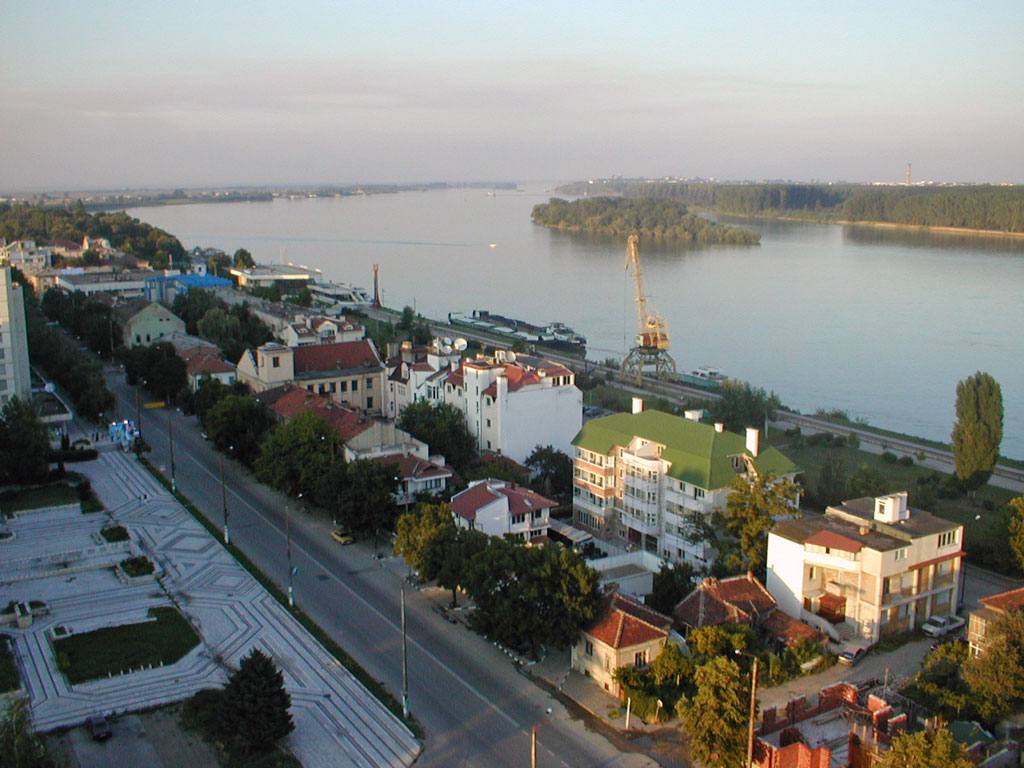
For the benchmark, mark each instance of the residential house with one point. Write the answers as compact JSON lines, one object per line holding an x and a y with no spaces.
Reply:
{"x":416,"y":373}
{"x":866,"y":567}
{"x":26,"y":255}
{"x":639,"y":478}
{"x":500,"y":508}
{"x":417,"y":476}
{"x":15,"y":377}
{"x":992,"y":607}
{"x":348,"y":372}
{"x":625,"y":633}
{"x":145,"y":322}
{"x":514,"y":402}
{"x":200,"y":365}
{"x":320,"y":330}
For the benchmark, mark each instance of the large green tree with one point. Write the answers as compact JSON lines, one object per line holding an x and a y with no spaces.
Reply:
{"x":996,"y":675}
{"x":19,"y":745}
{"x":237,"y":424}
{"x":1016,"y":509}
{"x":553,"y":469}
{"x":448,"y":557}
{"x":416,"y":529}
{"x":939,"y":685}
{"x":754,"y":503}
{"x":24,"y":444}
{"x":243,"y":259}
{"x":832,"y":479}
{"x":715,"y":717}
{"x":255,"y":704}
{"x":367,"y":503}
{"x":671,"y":584}
{"x":742,"y":405}
{"x":978,"y":429}
{"x":295,"y":453}
{"x":925,"y":749}
{"x":444,"y":429}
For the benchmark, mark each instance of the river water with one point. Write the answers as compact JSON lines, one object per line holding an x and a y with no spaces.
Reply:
{"x":879,"y":322}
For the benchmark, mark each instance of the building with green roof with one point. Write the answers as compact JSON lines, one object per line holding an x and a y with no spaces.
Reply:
{"x":639,"y":478}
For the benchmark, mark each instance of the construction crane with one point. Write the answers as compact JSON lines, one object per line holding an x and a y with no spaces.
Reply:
{"x":650,"y":353}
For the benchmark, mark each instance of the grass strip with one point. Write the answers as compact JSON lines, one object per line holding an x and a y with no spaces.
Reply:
{"x":373,"y":685}
{"x":110,"y":650}
{"x":9,"y":680}
{"x":37,"y":498}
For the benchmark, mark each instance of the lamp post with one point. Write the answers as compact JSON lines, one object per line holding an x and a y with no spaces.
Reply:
{"x":405,"y":663}
{"x":533,"y":738}
{"x":224,"y":501}
{"x":170,"y":438}
{"x":288,"y":545}
{"x":753,"y":707}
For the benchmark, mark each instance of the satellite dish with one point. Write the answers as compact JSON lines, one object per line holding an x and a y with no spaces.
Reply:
{"x":447,"y":341}
{"x":510,"y":356}
{"x":460,"y":344}
{"x":446,"y":349}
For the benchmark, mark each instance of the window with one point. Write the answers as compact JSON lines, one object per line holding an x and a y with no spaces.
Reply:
{"x":369,"y":383}
{"x":698,"y":493}
{"x":355,"y":385}
{"x":518,"y":519}
{"x":488,"y":422}
{"x":947,"y":538}
{"x":343,"y":386}
{"x":810,"y":573}
{"x":588,"y":648}
{"x":369,"y":402}
{"x":275,"y":362}
{"x":332,"y":387}
{"x":640,"y":660}
{"x":901,"y":554}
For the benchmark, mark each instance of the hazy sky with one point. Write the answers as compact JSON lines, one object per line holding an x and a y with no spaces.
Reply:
{"x":118,"y":93}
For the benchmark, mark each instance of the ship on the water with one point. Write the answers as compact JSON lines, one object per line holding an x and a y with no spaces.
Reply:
{"x":554,"y":335}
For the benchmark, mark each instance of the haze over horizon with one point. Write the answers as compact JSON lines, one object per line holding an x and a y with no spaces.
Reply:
{"x":207,"y":94}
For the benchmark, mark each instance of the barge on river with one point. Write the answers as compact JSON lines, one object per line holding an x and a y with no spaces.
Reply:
{"x":554,"y":335}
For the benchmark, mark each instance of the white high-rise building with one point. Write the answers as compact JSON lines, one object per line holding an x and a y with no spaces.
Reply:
{"x":14,"y":372}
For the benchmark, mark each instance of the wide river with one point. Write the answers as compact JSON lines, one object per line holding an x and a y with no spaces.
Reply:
{"x":879,"y":322}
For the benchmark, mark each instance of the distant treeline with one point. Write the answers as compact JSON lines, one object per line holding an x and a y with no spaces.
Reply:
{"x":972,"y":207}
{"x":23,"y":221}
{"x":648,"y":217}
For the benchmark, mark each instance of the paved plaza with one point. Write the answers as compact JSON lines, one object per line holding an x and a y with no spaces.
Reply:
{"x":57,"y":557}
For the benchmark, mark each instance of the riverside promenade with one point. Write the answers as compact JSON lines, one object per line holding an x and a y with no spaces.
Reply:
{"x":337,"y":721}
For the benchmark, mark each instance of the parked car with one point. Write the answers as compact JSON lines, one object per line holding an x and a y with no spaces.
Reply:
{"x":938,"y":626}
{"x":98,"y":727}
{"x":342,"y":536}
{"x":852,"y":655}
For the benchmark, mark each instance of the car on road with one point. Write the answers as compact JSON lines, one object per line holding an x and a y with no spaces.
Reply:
{"x":342,"y":536}
{"x":852,"y":655}
{"x":939,"y":626}
{"x":98,"y":727}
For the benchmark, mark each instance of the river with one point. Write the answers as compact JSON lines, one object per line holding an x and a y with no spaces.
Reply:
{"x":881,"y":323}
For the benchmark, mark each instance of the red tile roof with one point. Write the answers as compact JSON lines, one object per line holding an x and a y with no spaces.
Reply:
{"x":413,"y":467}
{"x":788,"y":629}
{"x":345,"y":422}
{"x":834,"y":540}
{"x":623,"y":623}
{"x":736,"y":600}
{"x":466,"y":503}
{"x":520,"y":500}
{"x":198,"y":364}
{"x":342,"y":355}
{"x":1011,"y":600}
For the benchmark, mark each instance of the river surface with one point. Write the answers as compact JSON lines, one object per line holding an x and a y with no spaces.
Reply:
{"x":881,"y":323}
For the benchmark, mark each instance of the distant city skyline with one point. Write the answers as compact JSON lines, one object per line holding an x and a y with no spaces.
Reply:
{"x":194,"y":94}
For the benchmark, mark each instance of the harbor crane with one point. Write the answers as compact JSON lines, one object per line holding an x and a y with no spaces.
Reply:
{"x":650,"y":353}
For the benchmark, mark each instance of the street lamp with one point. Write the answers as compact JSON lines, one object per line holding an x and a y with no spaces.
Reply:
{"x":224,"y":501}
{"x":170,"y":438}
{"x":288,"y":545}
{"x":405,"y":663}
{"x":753,"y":707}
{"x":533,"y":738}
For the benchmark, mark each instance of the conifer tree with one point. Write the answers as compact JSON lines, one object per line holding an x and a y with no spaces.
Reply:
{"x":255,"y":705}
{"x":978,"y":430}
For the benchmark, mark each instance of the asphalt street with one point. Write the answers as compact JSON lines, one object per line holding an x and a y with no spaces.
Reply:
{"x":476,"y":709}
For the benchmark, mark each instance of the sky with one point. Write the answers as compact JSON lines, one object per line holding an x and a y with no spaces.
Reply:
{"x":114,"y":93}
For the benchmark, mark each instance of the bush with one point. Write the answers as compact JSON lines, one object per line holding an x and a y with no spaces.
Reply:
{"x":889,"y":457}
{"x":853,"y":440}
{"x":906,"y":461}
{"x":137,"y":566}
{"x":74,"y":454}
{"x":115,"y":533}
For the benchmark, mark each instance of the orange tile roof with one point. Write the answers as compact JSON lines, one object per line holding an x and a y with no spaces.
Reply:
{"x":345,"y":422}
{"x":735,"y":600}
{"x":1011,"y":600}
{"x":338,"y":356}
{"x":624,"y":623}
{"x":834,"y":540}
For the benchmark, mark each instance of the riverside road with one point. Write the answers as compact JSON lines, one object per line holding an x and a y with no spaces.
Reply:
{"x":475,"y":708}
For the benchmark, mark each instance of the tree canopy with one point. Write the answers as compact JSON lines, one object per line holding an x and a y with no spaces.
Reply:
{"x":444,"y":429}
{"x":367,"y":501}
{"x":648,"y":217}
{"x":751,"y":509}
{"x":671,"y":584}
{"x":237,"y":424}
{"x":715,"y":718}
{"x":925,"y":749}
{"x":996,"y":675}
{"x":416,"y":529}
{"x":254,"y":711}
{"x":978,"y":429}
{"x":743,"y":405}
{"x":24,"y":444}
{"x":295,"y":453}
{"x":1016,"y":507}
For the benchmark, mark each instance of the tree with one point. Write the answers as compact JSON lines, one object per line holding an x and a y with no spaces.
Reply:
{"x":444,"y":429}
{"x":751,"y":509}
{"x":295,"y":453}
{"x":416,"y":529}
{"x":996,"y":675}
{"x":255,"y":704}
{"x":867,"y":481}
{"x":671,"y":584}
{"x":742,"y":405}
{"x":553,"y":469}
{"x":367,"y":503}
{"x":832,"y":480}
{"x":716,"y":716}
{"x":243,"y":259}
{"x":978,"y":429}
{"x":19,"y":745}
{"x":218,"y":263}
{"x":237,"y":424}
{"x":939,"y":685}
{"x":24,"y":444}
{"x":448,"y":555}
{"x":1016,"y":508}
{"x":925,"y":749}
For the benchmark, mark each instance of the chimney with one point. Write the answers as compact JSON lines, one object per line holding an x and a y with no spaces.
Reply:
{"x":753,"y":441}
{"x":638,"y":404}
{"x":695,"y":414}
{"x":719,"y":426}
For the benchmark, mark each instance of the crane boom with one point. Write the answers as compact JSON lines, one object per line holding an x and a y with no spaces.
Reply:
{"x":652,"y":331}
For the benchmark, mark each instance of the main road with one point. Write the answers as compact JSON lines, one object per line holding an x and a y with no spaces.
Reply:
{"x":476,"y":709}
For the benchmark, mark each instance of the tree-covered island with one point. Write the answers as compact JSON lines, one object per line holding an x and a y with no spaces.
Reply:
{"x":658,"y":219}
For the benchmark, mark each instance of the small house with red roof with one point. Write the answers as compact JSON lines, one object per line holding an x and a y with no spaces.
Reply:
{"x":348,"y":372}
{"x":500,"y":508}
{"x":735,"y":600}
{"x":625,"y":633}
{"x":992,"y":608}
{"x":200,"y":364}
{"x":320,"y":330}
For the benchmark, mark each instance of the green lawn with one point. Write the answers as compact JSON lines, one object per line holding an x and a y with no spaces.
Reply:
{"x":8,"y":669}
{"x":34,"y":498}
{"x":91,"y":655}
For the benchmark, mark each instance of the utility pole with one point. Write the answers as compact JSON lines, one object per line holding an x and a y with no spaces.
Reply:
{"x":288,"y":544}
{"x":170,"y":438}
{"x":753,"y":708}
{"x":405,"y":663}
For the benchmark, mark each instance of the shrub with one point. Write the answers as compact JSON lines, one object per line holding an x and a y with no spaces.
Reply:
{"x":115,"y":533}
{"x":889,"y":457}
{"x":853,"y":440}
{"x":74,"y":454}
{"x":137,"y":566}
{"x":906,"y":461}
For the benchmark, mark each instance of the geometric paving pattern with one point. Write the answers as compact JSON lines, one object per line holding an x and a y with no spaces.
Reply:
{"x":337,"y":721}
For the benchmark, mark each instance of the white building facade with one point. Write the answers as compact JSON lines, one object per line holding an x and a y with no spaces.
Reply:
{"x":15,"y":378}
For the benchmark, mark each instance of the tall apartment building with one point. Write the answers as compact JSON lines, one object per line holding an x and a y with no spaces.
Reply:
{"x":638,"y":478}
{"x":15,"y":380}
{"x":867,"y":567}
